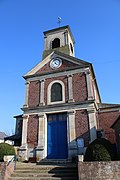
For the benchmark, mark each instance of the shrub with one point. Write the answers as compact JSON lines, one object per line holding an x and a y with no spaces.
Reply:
{"x":99,"y":150}
{"x":6,"y":149}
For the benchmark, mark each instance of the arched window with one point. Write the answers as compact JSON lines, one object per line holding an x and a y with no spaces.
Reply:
{"x":56,"y":92}
{"x":56,"y":43}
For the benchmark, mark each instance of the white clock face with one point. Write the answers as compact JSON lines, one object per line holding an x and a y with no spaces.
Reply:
{"x":55,"y":63}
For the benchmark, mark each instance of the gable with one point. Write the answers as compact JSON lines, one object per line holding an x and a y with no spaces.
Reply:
{"x":67,"y":62}
{"x":46,"y":68}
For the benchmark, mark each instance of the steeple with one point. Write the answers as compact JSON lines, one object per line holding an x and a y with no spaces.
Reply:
{"x":59,"y":39}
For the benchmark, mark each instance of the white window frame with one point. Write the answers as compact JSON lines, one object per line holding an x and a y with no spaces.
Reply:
{"x":49,"y":92}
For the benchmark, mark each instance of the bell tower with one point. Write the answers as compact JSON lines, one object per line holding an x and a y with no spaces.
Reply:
{"x":59,"y":39}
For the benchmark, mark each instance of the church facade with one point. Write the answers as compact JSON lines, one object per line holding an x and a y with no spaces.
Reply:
{"x":63,"y":110}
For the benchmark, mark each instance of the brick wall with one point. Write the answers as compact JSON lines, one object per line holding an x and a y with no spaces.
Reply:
{"x":6,"y":171}
{"x":32,"y":134}
{"x":79,"y":87}
{"x":99,"y":170}
{"x":34,"y":94}
{"x":117,"y":133}
{"x":106,"y":119}
{"x":82,"y":125}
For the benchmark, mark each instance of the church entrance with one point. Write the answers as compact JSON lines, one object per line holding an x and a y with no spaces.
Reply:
{"x":57,"y":146}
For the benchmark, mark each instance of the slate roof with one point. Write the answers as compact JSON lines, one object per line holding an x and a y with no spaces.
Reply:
{"x":106,"y":105}
{"x":13,"y":137}
{"x":18,"y":116}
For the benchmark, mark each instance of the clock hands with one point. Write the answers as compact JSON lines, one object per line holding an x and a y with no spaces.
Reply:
{"x":55,"y":63}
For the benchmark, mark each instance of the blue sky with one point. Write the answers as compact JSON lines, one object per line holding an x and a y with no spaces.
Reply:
{"x":95,"y":25}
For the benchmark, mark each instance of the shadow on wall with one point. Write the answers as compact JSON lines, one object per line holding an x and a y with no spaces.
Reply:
{"x":100,"y":150}
{"x":75,"y":147}
{"x":78,"y":147}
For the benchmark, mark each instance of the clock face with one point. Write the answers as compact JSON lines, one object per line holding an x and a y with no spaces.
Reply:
{"x":55,"y":63}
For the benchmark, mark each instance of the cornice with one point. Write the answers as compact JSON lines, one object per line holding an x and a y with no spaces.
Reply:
{"x":60,"y":107}
{"x":67,"y":71}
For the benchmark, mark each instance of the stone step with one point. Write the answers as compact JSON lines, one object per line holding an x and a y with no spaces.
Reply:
{"x":46,"y":168}
{"x":54,"y":162}
{"x":57,"y":174}
{"x":32,"y":165}
{"x":31,"y":171}
{"x":47,"y":172}
{"x":42,"y":178}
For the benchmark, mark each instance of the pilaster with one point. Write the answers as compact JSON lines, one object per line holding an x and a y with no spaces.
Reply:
{"x":70,"y":88}
{"x":65,"y":38}
{"x":72,"y":146}
{"x":89,"y":85}
{"x":42,"y":92}
{"x":26,"y":94}
{"x":24,"y":147}
{"x":92,"y":124}
{"x":40,"y":150}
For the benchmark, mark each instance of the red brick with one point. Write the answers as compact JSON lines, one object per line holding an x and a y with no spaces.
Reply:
{"x":82,"y":125}
{"x":106,"y":119}
{"x":34,"y":94}
{"x":79,"y":87}
{"x":32,"y":134}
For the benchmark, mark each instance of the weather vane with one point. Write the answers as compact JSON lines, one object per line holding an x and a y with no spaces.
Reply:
{"x":59,"y":21}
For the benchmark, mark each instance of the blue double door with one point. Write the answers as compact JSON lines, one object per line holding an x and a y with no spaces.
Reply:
{"x":57,"y":146}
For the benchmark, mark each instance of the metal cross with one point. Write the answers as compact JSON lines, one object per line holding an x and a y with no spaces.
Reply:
{"x":59,"y":21}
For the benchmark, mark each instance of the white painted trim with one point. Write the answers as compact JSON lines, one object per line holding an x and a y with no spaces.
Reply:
{"x":49,"y":92}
